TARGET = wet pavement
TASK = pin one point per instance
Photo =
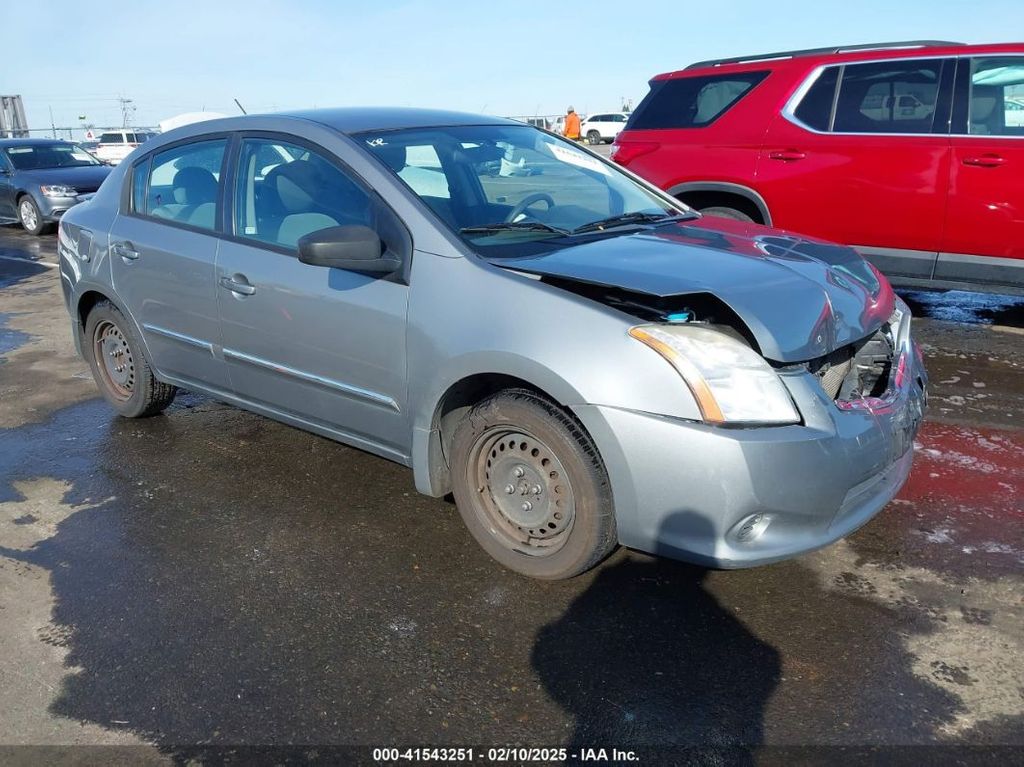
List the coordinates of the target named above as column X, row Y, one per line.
column 212, row 577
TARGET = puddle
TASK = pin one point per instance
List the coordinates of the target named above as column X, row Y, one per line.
column 964, row 307
column 10, row 339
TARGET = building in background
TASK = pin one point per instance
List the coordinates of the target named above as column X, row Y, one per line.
column 12, row 118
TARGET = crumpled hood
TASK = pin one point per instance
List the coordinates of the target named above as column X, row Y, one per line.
column 84, row 178
column 800, row 298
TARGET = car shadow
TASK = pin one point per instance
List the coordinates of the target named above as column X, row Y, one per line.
column 647, row 656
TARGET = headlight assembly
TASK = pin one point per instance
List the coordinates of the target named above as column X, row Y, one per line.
column 730, row 381
column 58, row 190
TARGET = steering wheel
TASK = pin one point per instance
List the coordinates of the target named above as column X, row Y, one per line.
column 526, row 202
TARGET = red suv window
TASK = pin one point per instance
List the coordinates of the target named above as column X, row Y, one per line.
column 692, row 102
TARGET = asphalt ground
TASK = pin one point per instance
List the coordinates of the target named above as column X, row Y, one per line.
column 210, row 578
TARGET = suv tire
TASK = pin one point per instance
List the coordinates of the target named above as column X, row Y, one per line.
column 723, row 211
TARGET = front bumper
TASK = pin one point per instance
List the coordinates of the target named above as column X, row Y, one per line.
column 731, row 497
column 52, row 208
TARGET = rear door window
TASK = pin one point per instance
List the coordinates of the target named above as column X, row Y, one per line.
column 815, row 108
column 184, row 184
column 897, row 96
column 692, row 102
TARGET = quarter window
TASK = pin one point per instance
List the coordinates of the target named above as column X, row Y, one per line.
column 286, row 191
column 184, row 184
column 692, row 102
column 888, row 97
column 997, row 97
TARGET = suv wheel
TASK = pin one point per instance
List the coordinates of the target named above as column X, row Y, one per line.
column 29, row 215
column 723, row 211
column 119, row 366
column 593, row 137
column 531, row 488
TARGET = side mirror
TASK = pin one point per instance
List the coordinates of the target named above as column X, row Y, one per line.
column 355, row 247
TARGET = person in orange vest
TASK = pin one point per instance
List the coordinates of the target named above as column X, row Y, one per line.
column 572, row 125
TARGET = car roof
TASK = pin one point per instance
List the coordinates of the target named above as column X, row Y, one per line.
column 360, row 119
column 6, row 142
column 841, row 54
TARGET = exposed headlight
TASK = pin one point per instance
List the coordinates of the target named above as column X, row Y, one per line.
column 730, row 381
column 59, row 190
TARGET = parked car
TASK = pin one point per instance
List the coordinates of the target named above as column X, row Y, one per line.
column 603, row 128
column 115, row 145
column 579, row 358
column 40, row 179
column 911, row 152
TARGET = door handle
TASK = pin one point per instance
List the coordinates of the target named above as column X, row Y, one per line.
column 786, row 155
column 240, row 285
column 985, row 161
column 125, row 250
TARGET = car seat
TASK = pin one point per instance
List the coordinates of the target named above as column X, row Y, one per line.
column 193, row 188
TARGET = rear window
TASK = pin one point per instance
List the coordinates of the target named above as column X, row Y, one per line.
column 112, row 138
column 692, row 102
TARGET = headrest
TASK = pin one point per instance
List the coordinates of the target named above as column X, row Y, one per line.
column 981, row 108
column 194, row 186
column 297, row 184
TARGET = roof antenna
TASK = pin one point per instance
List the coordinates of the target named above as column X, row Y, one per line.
column 241, row 107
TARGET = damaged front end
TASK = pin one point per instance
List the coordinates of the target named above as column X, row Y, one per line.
column 866, row 373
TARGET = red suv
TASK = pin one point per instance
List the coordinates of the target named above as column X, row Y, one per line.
column 912, row 152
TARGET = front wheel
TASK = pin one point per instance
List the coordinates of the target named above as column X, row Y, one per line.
column 593, row 138
column 723, row 211
column 29, row 216
column 531, row 487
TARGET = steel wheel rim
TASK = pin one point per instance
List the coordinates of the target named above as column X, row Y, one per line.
column 28, row 215
column 114, row 360
column 525, row 496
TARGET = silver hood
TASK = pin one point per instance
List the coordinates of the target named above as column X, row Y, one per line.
column 800, row 298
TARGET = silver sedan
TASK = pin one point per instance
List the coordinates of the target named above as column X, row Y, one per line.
column 579, row 358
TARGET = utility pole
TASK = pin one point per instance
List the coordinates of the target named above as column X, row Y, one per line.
column 127, row 110
column 53, row 127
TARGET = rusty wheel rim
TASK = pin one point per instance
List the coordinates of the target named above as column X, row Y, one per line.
column 524, row 494
column 114, row 360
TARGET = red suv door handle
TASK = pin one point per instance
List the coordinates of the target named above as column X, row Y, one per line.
column 786, row 155
column 985, row 161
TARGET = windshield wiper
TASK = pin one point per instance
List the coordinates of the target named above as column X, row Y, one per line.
column 637, row 217
column 508, row 226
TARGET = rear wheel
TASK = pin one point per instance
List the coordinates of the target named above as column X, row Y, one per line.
column 29, row 216
column 531, row 488
column 593, row 137
column 119, row 366
column 723, row 211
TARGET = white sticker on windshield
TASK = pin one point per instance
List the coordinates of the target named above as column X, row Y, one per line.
column 577, row 158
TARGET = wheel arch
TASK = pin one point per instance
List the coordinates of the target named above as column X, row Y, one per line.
column 87, row 300
column 721, row 192
column 432, row 437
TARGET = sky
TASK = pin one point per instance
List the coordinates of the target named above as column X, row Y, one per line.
column 513, row 58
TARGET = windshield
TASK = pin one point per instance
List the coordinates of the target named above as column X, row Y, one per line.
column 513, row 191
column 35, row 156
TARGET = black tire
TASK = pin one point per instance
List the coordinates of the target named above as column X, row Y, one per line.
column 572, row 528
column 723, row 211
column 119, row 365
column 29, row 216
column 594, row 138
